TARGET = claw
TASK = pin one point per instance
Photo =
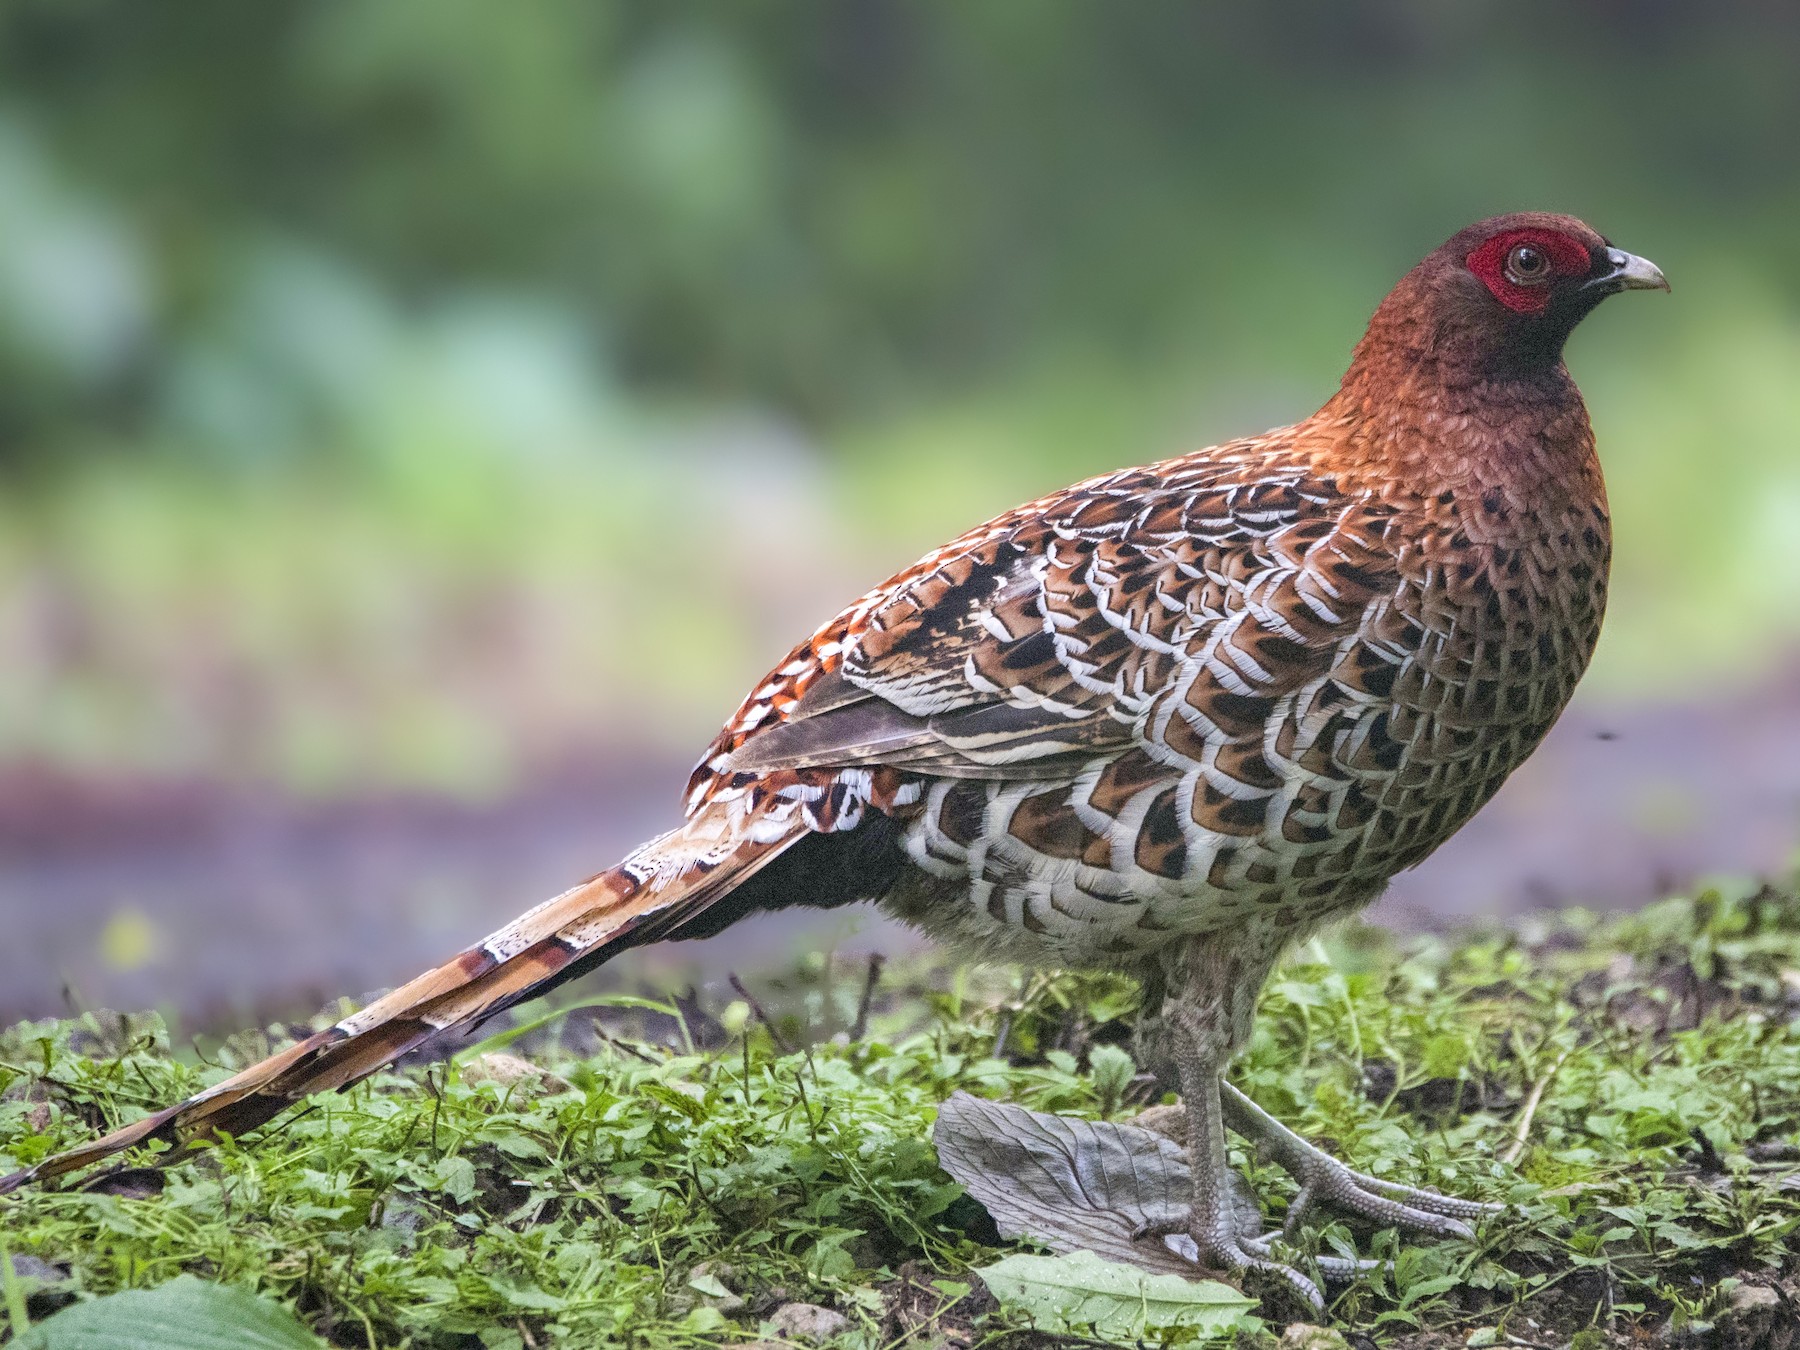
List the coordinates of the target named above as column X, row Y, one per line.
column 1214, row 1231
column 1159, row 1228
column 1297, row 1209
column 1245, row 1254
column 1236, row 1255
column 1323, row 1179
column 1340, row 1187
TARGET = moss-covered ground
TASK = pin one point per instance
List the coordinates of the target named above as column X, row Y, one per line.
column 654, row 1173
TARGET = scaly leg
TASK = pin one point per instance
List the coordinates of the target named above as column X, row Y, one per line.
column 1323, row 1179
column 1208, row 1017
column 1210, row 996
column 1212, row 1221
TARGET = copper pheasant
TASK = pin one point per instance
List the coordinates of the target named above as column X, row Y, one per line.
column 1168, row 720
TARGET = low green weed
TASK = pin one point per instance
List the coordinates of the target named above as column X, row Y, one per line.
column 1631, row 1087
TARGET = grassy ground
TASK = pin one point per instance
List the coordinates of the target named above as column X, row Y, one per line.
column 671, row 1174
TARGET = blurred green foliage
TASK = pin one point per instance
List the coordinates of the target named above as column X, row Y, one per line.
column 468, row 285
column 827, row 207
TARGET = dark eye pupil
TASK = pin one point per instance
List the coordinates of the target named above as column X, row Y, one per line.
column 1528, row 260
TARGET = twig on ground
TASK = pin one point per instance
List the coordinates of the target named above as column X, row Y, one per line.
column 861, row 1024
column 1006, row 1024
column 1522, row 1126
column 781, row 1042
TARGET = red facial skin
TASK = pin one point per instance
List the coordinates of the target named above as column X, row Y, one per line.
column 1568, row 258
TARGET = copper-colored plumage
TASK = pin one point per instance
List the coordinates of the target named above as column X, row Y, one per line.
column 1171, row 717
column 1247, row 685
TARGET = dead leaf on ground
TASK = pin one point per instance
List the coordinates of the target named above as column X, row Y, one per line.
column 1074, row 1185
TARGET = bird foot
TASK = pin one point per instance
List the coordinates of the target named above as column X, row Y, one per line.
column 1231, row 1254
column 1328, row 1181
column 1325, row 1180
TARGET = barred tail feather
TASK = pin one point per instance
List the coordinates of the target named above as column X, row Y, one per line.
column 666, row 882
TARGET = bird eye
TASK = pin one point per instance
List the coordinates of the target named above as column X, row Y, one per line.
column 1527, row 265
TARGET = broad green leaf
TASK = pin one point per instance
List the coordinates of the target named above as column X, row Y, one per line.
column 185, row 1314
column 456, row 1178
column 1079, row 1290
column 709, row 1284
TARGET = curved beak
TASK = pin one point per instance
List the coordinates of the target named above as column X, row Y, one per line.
column 1627, row 272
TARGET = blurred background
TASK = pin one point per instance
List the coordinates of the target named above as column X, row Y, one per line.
column 421, row 421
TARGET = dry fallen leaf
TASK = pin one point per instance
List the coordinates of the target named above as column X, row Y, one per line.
column 1074, row 1185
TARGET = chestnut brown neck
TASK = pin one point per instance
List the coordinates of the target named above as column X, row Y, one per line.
column 1432, row 403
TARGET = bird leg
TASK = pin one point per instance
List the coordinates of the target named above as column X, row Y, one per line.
column 1213, row 1221
column 1207, row 1011
column 1323, row 1179
column 1209, row 1018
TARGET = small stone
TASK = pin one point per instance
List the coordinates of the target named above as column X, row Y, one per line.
column 129, row 1183
column 711, row 1281
column 505, row 1071
column 722, row 1271
column 1753, row 1298
column 38, row 1269
column 807, row 1322
column 1168, row 1121
column 1757, row 1317
column 1302, row 1336
column 46, row 1287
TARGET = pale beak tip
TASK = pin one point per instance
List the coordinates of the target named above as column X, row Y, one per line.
column 1632, row 273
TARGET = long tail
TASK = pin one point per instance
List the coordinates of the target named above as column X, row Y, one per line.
column 662, row 885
